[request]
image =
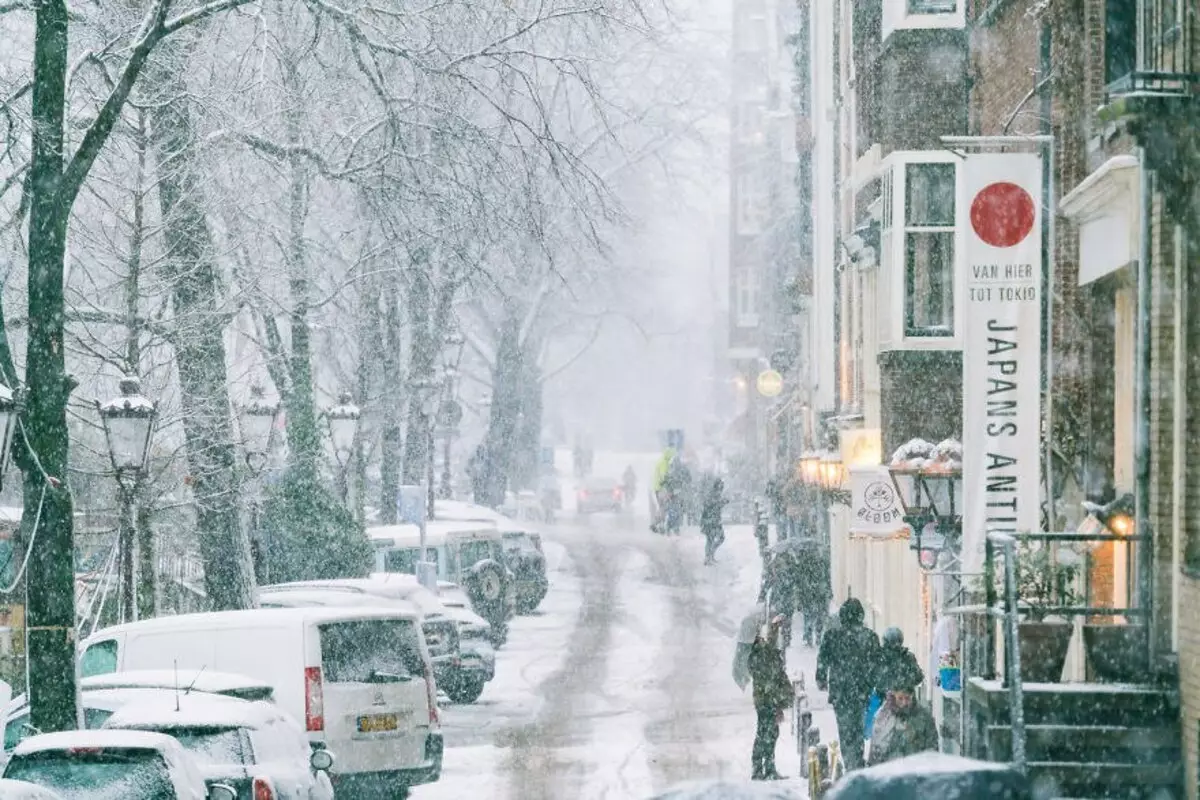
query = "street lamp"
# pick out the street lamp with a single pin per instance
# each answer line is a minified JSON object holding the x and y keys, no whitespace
{"x":257,"y":421}
{"x":928,"y":481}
{"x":425,"y":391}
{"x":258,"y":428}
{"x":343,"y":426}
{"x":128,"y":421}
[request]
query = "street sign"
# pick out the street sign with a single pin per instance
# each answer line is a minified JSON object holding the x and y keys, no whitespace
{"x":770,"y":383}
{"x":410,"y":506}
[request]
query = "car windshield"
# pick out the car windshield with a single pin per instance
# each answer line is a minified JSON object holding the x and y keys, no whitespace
{"x":404,"y":560}
{"x":213,"y":745}
{"x":519,"y":542}
{"x":96,"y":774}
{"x":370,"y":651}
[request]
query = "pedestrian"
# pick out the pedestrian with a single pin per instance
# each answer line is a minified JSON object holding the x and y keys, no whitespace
{"x":775,"y":495}
{"x":903,"y":727}
{"x":814,"y":594}
{"x":772,"y":695}
{"x":898,"y":666}
{"x":710,"y":519}
{"x":782,"y":581}
{"x":847,"y":666}
{"x":629,"y":485}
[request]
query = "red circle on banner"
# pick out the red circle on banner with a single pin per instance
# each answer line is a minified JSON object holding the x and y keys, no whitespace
{"x":1002,"y":214}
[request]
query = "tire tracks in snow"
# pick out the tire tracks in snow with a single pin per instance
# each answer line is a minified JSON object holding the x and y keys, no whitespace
{"x":535,"y":770}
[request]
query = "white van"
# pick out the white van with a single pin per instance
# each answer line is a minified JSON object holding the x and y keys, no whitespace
{"x":360,"y":679}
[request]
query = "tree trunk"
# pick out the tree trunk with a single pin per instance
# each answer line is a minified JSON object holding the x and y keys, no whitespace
{"x":304,"y":438}
{"x":200,"y":352}
{"x":528,"y":435}
{"x":50,"y":604}
{"x":391,"y":403}
{"x":370,"y":331}
{"x":506,"y":405}
{"x":421,"y":366}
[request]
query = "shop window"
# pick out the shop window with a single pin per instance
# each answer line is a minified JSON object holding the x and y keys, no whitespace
{"x":929,"y":250}
{"x":932,"y":6}
{"x":746,"y":299}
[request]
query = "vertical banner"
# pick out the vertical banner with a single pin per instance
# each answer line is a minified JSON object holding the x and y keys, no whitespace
{"x":1002,"y":348}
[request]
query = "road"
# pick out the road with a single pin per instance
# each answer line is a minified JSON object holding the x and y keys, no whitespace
{"x":620,"y":686}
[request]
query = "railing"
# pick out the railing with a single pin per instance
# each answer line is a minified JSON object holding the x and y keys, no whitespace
{"x":1161,"y":38}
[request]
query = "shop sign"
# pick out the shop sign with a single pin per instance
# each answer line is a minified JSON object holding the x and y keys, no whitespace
{"x":875,"y":508}
{"x":1002,"y":348}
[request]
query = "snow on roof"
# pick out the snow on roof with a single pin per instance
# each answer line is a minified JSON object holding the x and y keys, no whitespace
{"x":933,"y":763}
{"x":331,"y":598}
{"x":105,"y":699}
{"x":436,"y":530}
{"x":462,"y":511}
{"x":66,"y":740}
{"x":198,"y":680}
{"x":20,"y":790}
{"x":192,"y":711}
{"x":388,"y":585}
{"x":251,"y":618}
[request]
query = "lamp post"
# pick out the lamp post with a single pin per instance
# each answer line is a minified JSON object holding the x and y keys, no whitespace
{"x":451,"y":411}
{"x":257,"y":423}
{"x":928,"y":481}
{"x":343,"y":428}
{"x":128,"y":421}
{"x":426,"y":392}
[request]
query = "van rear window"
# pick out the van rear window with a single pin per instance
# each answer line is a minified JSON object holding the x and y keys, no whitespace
{"x":404,"y":562}
{"x":370,"y":651}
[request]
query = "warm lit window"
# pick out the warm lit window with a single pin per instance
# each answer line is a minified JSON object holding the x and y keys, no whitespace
{"x":929,"y":250}
{"x":932,"y":6}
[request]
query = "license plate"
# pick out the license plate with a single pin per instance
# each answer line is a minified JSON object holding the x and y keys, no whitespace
{"x":378,"y":723}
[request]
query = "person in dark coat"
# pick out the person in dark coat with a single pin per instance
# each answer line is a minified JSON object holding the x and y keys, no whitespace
{"x":781,"y":582}
{"x":847,"y":667}
{"x":772,"y":695}
{"x":813,"y":594}
{"x":898,"y":666}
{"x":710,"y":519}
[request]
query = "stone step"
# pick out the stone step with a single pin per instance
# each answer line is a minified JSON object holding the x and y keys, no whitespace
{"x":1126,"y":705}
{"x":1105,"y":779}
{"x":1086,"y":743}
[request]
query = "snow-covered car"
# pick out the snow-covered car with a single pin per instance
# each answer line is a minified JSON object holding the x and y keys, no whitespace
{"x":201,"y":680}
{"x":462,"y":683}
{"x":112,"y":765}
{"x":21,"y":790}
{"x":470,"y":554}
{"x":474,"y":632}
{"x":98,"y":706}
{"x":360,"y":678}
{"x":522,"y":549}
{"x":250,"y":745}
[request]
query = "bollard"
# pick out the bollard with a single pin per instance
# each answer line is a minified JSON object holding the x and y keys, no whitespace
{"x":812,"y":768}
{"x":836,"y":767}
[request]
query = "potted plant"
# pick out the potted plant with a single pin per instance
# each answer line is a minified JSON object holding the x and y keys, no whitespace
{"x":1044,"y":579}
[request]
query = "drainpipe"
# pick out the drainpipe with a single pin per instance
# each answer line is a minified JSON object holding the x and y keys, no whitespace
{"x":1145,"y":546}
{"x":1048,"y":244}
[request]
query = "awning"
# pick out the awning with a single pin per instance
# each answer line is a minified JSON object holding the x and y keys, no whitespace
{"x":1105,"y":207}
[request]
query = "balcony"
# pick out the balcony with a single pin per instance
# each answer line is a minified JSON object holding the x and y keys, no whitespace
{"x":1148,"y":51}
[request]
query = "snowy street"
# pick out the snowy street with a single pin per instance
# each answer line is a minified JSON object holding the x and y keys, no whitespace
{"x":621,"y":684}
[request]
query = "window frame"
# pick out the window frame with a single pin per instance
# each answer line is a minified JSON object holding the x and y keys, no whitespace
{"x":940,"y":230}
{"x":747,"y":285}
{"x":929,"y":8}
{"x":894,"y":237}
{"x":753,"y":204}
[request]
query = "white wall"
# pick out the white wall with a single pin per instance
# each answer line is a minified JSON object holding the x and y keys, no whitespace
{"x":824,"y":205}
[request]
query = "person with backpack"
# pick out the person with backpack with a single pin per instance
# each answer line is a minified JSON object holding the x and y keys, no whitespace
{"x":847,"y":668}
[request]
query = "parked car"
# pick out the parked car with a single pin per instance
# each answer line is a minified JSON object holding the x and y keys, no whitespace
{"x":200,"y":680}
{"x":599,"y":495}
{"x":474,"y":632}
{"x":21,"y":790}
{"x":98,"y":706}
{"x":360,"y":678}
{"x":463,"y":682}
{"x":112,"y":765}
{"x":470,"y":554}
{"x":522,"y":549}
{"x":251,"y":746}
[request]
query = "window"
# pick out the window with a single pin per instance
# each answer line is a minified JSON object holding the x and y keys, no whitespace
{"x":746,"y":299}
{"x":104,"y":774}
{"x":929,"y":250}
{"x":214,"y":746}
{"x":370,"y":651}
{"x":932,"y":6}
{"x":99,"y":659}
{"x":752,"y":29}
{"x":751,"y":123}
{"x":1120,"y":39}
{"x":404,"y":562}
{"x":751,"y":205}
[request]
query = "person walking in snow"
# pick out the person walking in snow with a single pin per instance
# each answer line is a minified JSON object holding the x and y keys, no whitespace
{"x":629,"y":485}
{"x":710,"y":519}
{"x":772,"y":695}
{"x":847,"y":667}
{"x":813,"y":594}
{"x":898,"y":666}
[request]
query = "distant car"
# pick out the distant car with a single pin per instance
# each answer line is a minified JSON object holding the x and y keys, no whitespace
{"x":253,"y":747}
{"x":599,"y":495}
{"x":112,"y":765}
{"x":474,"y":632}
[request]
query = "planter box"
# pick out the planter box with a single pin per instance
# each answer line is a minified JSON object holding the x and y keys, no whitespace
{"x":1044,"y":650}
{"x":1118,"y":653}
